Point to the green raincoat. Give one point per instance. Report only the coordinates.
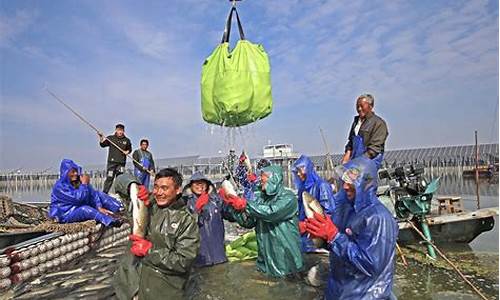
(164, 271)
(273, 213)
(122, 184)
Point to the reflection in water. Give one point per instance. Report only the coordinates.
(454, 184)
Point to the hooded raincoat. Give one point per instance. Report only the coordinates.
(122, 185)
(362, 253)
(210, 223)
(76, 204)
(318, 188)
(273, 213)
(164, 272)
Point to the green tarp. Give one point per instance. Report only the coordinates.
(236, 84)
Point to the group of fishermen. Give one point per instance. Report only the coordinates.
(186, 228)
(73, 199)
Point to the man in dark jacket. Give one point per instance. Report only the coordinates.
(167, 252)
(203, 200)
(116, 157)
(147, 164)
(361, 236)
(368, 133)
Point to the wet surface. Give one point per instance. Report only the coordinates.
(90, 277)
(87, 278)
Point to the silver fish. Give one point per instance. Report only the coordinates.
(312, 205)
(108, 255)
(228, 188)
(36, 293)
(313, 276)
(73, 271)
(247, 162)
(139, 212)
(94, 287)
(73, 282)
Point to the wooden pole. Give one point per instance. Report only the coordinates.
(98, 131)
(477, 173)
(329, 161)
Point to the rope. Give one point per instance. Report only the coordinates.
(405, 263)
(448, 261)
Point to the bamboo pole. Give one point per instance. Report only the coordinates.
(97, 130)
(477, 173)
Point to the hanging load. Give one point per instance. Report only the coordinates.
(236, 84)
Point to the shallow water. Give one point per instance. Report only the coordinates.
(420, 280)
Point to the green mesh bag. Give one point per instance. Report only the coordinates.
(236, 85)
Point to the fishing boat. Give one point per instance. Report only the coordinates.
(459, 227)
(410, 197)
(482, 171)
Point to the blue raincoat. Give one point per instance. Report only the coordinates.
(210, 224)
(146, 160)
(76, 204)
(359, 148)
(362, 253)
(241, 173)
(318, 188)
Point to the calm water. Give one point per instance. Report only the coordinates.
(420, 280)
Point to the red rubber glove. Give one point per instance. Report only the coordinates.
(322, 227)
(251, 177)
(237, 202)
(302, 227)
(140, 246)
(225, 197)
(143, 195)
(222, 195)
(201, 202)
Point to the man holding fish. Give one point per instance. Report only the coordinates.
(273, 214)
(360, 235)
(319, 197)
(162, 255)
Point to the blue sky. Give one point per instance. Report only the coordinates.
(431, 65)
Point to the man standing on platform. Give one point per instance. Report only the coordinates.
(117, 157)
(368, 133)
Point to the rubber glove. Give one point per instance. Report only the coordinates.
(302, 227)
(201, 202)
(251, 177)
(237, 202)
(143, 195)
(140, 246)
(222, 194)
(322, 227)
